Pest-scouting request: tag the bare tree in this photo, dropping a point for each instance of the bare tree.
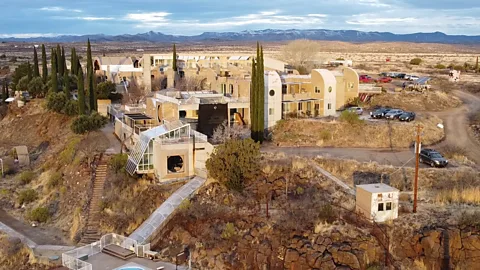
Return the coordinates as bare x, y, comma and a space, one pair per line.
136, 93
189, 84
93, 144
300, 53
223, 133
158, 83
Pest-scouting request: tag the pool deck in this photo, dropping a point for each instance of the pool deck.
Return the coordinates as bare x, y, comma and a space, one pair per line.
102, 261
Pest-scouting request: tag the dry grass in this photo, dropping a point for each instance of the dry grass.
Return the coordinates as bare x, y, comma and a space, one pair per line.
413, 101
382, 134
459, 195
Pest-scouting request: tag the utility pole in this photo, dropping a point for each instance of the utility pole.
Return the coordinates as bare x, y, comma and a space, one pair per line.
417, 163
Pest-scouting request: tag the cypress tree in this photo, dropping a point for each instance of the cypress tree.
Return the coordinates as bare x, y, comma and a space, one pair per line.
54, 86
59, 61
73, 62
4, 90
476, 66
66, 85
81, 92
253, 93
64, 62
44, 65
261, 97
90, 85
174, 65
36, 71
53, 59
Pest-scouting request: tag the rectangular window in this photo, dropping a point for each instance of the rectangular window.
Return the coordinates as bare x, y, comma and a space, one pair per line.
300, 106
317, 90
389, 206
317, 106
380, 207
329, 106
270, 111
284, 89
309, 106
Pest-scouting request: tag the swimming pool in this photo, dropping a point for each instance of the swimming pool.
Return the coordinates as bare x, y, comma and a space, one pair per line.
132, 266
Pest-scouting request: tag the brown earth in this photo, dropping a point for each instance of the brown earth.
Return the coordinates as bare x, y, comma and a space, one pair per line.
413, 101
14, 255
313, 227
379, 134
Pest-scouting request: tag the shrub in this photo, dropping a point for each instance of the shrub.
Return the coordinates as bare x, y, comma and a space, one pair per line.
459, 67
68, 154
104, 89
452, 151
470, 220
118, 162
185, 205
71, 108
415, 61
39, 214
351, 118
55, 180
57, 101
26, 177
326, 213
27, 196
229, 231
440, 66
86, 123
299, 191
234, 162
325, 135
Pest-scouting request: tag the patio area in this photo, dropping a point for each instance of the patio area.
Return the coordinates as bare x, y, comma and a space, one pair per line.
102, 261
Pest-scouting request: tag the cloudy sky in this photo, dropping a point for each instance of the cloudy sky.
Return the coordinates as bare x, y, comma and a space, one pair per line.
26, 18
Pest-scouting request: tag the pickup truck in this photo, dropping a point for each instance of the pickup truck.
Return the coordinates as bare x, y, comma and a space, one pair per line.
384, 80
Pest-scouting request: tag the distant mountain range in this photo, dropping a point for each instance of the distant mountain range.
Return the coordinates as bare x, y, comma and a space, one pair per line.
266, 35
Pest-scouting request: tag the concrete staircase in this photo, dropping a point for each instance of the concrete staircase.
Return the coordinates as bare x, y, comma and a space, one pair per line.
91, 233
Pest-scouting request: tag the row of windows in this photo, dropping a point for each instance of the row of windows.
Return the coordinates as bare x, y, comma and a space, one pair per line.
388, 206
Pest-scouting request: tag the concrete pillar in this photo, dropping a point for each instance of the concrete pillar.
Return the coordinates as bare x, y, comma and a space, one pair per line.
147, 73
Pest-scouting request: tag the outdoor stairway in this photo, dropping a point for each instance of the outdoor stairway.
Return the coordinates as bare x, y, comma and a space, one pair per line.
91, 233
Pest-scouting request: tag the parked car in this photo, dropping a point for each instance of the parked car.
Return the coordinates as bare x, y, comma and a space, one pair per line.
356, 110
407, 77
413, 78
383, 74
432, 158
379, 113
366, 79
401, 75
407, 116
393, 114
384, 80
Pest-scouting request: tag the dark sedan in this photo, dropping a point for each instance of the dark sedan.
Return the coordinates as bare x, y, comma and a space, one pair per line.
393, 114
379, 113
407, 116
432, 158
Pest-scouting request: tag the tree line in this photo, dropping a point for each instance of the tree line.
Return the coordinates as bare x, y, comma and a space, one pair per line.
57, 86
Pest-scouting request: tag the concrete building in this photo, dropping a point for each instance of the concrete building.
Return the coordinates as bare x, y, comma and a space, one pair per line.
377, 202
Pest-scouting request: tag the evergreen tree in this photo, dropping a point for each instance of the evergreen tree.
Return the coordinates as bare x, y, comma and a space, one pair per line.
29, 72
90, 78
476, 66
66, 84
73, 62
53, 59
36, 71
64, 62
174, 65
81, 92
253, 94
257, 97
4, 90
44, 65
53, 78
59, 61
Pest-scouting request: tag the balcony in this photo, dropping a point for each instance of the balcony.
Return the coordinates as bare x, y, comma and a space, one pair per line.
298, 96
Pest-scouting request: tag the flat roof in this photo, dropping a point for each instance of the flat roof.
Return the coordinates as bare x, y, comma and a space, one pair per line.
377, 188
138, 116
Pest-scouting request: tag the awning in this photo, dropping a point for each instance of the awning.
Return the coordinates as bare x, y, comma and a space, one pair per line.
10, 99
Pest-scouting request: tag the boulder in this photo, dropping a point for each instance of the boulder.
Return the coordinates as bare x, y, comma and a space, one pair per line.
472, 242
346, 258
291, 255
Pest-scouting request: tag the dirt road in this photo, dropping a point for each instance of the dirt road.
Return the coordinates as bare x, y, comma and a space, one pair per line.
456, 125
456, 133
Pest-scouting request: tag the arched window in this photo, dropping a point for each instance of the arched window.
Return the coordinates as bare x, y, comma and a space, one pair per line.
231, 88
272, 93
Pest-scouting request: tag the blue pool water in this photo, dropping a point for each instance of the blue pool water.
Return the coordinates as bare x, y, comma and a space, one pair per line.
132, 268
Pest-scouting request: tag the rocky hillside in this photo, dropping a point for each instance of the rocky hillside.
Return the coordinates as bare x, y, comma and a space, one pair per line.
311, 227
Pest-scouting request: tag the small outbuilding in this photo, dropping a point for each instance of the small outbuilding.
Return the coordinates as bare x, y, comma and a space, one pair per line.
377, 202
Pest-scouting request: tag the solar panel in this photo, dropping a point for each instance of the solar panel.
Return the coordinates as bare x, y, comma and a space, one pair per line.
422, 80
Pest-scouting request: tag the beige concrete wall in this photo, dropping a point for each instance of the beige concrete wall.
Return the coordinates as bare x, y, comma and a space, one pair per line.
102, 106
351, 84
363, 203
161, 154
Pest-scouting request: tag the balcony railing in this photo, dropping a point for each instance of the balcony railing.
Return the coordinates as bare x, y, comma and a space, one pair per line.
297, 96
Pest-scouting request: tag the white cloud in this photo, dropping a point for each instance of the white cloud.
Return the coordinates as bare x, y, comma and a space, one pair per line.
88, 18
265, 18
58, 9
380, 21
373, 3
28, 35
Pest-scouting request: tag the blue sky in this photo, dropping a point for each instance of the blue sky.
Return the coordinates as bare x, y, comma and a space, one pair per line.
26, 18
